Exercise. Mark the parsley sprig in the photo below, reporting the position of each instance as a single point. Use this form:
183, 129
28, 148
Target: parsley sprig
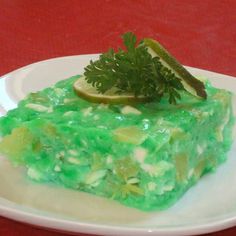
134, 71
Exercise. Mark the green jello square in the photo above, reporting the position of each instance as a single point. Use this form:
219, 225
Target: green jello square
145, 156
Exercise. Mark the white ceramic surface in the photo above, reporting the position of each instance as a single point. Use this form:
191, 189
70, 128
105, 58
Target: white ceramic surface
208, 206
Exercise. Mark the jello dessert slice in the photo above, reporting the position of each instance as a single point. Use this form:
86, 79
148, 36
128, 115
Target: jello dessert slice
144, 155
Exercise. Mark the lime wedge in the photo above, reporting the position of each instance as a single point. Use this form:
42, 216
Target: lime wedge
90, 93
190, 83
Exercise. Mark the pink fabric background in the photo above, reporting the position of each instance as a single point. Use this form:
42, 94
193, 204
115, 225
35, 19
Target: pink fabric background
199, 33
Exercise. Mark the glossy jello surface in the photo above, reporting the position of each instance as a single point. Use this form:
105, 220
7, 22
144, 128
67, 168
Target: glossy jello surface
145, 155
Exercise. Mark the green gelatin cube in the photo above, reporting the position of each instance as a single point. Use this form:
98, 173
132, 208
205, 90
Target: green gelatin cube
146, 160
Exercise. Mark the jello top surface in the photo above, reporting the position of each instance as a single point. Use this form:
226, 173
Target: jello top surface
62, 105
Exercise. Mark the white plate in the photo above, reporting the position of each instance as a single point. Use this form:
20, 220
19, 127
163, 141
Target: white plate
208, 206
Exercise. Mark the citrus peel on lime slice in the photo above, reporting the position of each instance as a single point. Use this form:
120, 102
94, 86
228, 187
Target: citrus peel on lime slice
86, 91
189, 82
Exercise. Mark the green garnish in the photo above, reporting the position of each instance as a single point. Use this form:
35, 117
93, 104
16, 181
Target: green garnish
189, 82
134, 71
143, 72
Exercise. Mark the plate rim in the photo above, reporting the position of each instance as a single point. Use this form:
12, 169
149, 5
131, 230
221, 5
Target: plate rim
25, 216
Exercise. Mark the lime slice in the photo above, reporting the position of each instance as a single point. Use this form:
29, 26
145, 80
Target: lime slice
190, 83
90, 93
